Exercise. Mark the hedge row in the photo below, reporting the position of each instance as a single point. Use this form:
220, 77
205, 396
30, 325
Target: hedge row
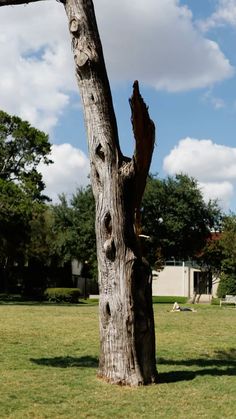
62, 295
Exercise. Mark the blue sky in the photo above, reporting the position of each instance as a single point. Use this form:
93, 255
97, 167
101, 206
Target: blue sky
182, 52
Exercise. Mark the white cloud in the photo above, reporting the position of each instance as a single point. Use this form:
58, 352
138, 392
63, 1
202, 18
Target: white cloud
221, 191
69, 171
155, 41
225, 14
213, 165
216, 102
158, 44
36, 63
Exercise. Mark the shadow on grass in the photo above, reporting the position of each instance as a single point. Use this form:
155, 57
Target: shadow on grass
46, 303
224, 363
176, 376
221, 359
67, 362
21, 303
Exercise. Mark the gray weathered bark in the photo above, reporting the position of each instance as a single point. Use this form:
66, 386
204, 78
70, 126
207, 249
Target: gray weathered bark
127, 339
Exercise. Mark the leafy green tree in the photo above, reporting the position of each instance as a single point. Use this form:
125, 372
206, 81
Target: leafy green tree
227, 285
176, 218
42, 236
174, 215
228, 241
211, 257
74, 229
63, 230
83, 206
15, 212
228, 264
22, 148
15, 215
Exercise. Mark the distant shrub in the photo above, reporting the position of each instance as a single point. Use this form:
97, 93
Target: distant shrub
62, 295
169, 300
215, 301
227, 285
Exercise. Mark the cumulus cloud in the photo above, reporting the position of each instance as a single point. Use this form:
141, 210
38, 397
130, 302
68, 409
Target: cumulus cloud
36, 63
225, 13
69, 171
158, 44
213, 165
221, 191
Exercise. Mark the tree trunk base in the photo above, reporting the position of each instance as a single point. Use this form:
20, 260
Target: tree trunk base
131, 382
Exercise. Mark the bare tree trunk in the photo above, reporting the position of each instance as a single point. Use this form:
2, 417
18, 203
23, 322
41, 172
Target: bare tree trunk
127, 352
127, 338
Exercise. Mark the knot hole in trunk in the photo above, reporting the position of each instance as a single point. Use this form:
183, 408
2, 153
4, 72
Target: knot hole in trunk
106, 314
100, 152
108, 310
110, 249
108, 224
109, 245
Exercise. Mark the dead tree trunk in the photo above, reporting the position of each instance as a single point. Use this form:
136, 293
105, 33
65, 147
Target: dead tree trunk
127, 339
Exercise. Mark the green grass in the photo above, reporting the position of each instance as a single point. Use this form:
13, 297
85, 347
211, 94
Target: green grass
49, 356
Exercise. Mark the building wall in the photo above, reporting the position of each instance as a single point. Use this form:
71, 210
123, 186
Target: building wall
172, 280
178, 281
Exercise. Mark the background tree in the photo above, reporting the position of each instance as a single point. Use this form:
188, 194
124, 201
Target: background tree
176, 217
15, 213
64, 231
227, 283
40, 246
83, 206
22, 148
74, 229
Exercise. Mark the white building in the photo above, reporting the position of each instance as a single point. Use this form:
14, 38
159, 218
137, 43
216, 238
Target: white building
183, 280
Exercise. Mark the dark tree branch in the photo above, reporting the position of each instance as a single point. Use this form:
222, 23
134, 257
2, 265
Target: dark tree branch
16, 2
144, 134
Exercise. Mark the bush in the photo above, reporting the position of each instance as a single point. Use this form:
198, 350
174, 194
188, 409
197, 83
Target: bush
215, 301
62, 295
227, 285
169, 300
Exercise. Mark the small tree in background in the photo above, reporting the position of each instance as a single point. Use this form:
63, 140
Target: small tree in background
227, 283
74, 229
176, 217
22, 148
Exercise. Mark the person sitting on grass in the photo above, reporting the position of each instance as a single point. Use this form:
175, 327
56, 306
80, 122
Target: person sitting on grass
176, 307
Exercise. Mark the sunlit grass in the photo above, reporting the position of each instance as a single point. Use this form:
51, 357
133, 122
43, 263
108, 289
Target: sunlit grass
48, 361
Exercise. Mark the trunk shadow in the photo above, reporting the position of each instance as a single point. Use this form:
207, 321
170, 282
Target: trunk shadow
223, 363
220, 358
67, 362
176, 376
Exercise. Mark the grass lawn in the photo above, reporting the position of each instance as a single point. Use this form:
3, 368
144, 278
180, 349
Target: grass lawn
49, 356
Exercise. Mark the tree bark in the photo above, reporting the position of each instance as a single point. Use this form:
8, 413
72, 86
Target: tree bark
127, 338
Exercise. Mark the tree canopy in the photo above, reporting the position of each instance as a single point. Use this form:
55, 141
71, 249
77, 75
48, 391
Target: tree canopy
22, 148
74, 228
176, 217
228, 262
